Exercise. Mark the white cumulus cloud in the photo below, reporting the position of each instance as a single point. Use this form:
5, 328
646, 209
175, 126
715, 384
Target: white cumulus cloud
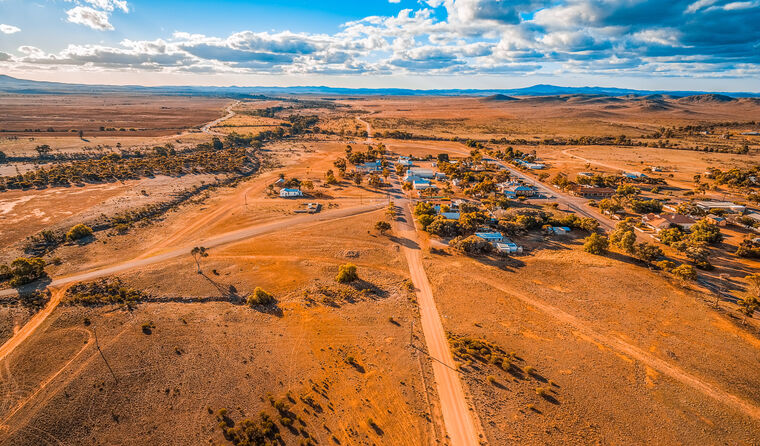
84, 15
9, 29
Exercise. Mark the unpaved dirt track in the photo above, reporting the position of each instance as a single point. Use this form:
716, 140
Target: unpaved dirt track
457, 419
30, 327
621, 346
206, 128
223, 239
458, 422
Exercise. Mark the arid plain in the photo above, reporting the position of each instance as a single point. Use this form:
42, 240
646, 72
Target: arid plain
129, 335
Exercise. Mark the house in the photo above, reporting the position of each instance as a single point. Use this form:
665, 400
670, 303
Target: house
371, 166
586, 174
491, 237
508, 247
289, 193
754, 216
421, 173
405, 161
518, 190
717, 220
558, 230
440, 176
592, 192
450, 215
532, 166
658, 222
456, 182
723, 205
421, 183
634, 175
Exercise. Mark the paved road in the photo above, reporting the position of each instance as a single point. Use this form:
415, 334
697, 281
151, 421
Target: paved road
457, 419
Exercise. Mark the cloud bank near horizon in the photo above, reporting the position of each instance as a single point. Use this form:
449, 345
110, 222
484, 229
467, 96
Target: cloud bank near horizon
695, 38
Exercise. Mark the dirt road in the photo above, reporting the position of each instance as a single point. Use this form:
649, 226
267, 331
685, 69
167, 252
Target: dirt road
30, 327
206, 128
222, 239
457, 419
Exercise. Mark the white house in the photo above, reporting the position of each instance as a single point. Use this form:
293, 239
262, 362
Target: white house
508, 247
421, 173
405, 161
491, 237
421, 183
724, 205
289, 193
371, 166
558, 230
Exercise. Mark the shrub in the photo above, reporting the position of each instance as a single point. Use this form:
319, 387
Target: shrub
78, 232
260, 297
471, 245
347, 273
685, 272
26, 270
382, 226
103, 292
148, 327
596, 244
665, 265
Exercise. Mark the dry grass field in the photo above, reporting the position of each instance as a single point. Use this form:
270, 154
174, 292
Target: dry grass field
602, 349
141, 115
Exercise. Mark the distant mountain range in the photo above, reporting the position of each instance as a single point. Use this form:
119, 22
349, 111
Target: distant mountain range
21, 86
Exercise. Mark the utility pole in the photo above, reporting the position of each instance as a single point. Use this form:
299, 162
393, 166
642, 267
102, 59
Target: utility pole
97, 345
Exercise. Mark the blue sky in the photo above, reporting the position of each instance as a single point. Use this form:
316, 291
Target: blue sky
652, 44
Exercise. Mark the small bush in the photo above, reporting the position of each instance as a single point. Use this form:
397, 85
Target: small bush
78, 232
260, 297
347, 273
148, 327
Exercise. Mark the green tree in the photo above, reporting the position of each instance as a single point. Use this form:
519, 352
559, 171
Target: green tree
347, 273
685, 272
26, 270
626, 190
671, 235
471, 245
198, 253
610, 206
648, 252
216, 143
78, 232
750, 302
596, 244
383, 226
704, 231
